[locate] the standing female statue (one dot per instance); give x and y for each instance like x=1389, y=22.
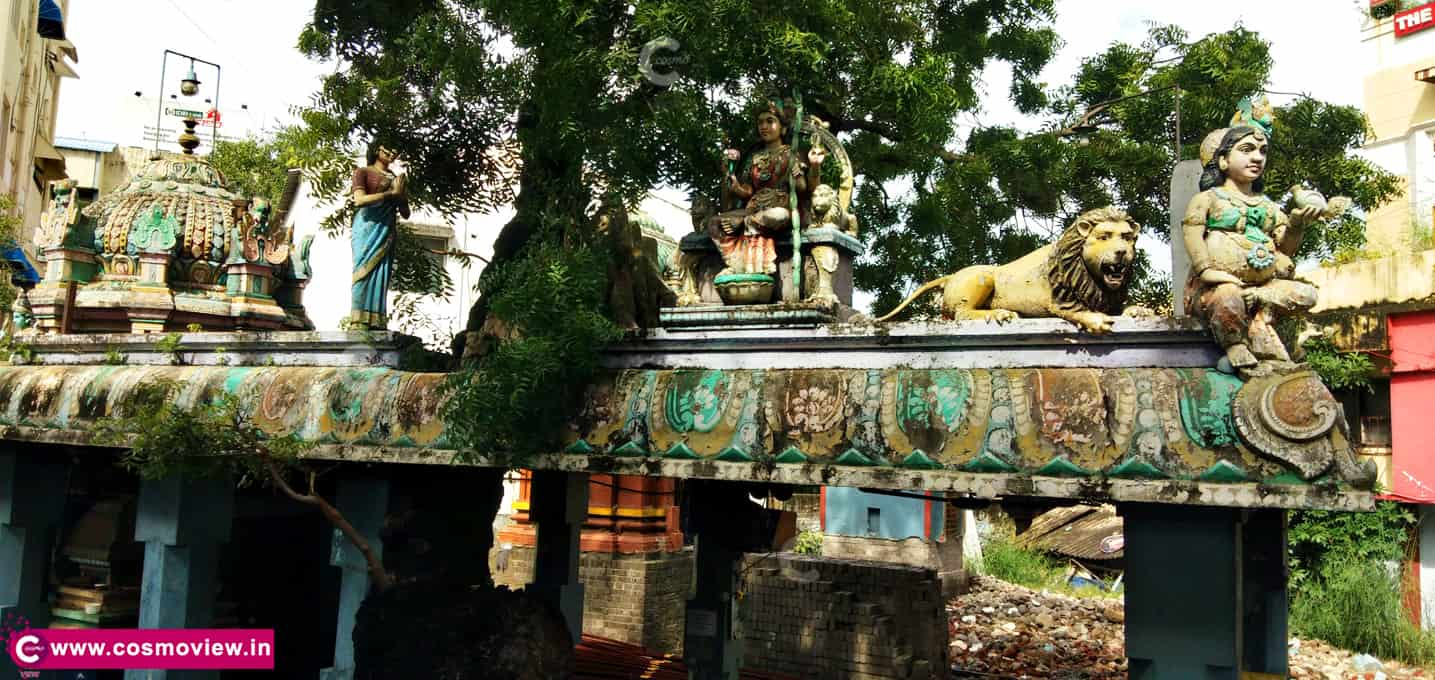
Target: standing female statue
x=1241, y=246
x=746, y=236
x=380, y=198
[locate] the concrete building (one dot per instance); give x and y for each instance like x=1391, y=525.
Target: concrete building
x=1382, y=305
x=1400, y=104
x=33, y=61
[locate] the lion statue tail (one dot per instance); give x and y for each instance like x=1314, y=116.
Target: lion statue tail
x=926, y=288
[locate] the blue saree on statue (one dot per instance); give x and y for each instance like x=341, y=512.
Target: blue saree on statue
x=374, y=229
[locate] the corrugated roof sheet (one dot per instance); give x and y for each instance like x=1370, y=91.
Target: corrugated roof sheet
x=85, y=144
x=1075, y=532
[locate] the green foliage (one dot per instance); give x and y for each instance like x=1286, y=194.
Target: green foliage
x=1321, y=540
x=1002, y=558
x=113, y=357
x=1340, y=370
x=517, y=400
x=1391, y=8
x=256, y=166
x=16, y=352
x=213, y=438
x=169, y=346
x=1343, y=589
x=808, y=543
x=1357, y=606
x=455, y=85
x=1008, y=191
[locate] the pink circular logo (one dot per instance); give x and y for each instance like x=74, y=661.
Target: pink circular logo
x=27, y=648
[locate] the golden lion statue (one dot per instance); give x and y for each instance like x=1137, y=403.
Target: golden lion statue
x=1082, y=278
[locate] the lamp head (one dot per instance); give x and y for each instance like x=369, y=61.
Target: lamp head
x=190, y=85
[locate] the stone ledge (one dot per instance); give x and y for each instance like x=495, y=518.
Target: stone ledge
x=242, y=348
x=1048, y=343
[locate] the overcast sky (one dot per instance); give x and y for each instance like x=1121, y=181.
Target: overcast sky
x=1315, y=43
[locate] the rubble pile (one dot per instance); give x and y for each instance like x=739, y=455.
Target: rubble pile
x=1317, y=660
x=1003, y=630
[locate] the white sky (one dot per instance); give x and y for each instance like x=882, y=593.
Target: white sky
x=1315, y=44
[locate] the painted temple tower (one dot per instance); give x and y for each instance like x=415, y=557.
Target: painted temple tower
x=172, y=249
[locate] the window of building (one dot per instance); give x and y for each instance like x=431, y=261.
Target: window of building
x=1368, y=412
x=433, y=242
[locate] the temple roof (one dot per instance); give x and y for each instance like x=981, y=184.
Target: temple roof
x=970, y=421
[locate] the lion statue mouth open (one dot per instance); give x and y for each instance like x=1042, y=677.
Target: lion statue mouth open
x=1084, y=278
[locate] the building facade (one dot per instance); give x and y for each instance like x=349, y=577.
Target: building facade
x=32, y=67
x=1382, y=304
x=1399, y=100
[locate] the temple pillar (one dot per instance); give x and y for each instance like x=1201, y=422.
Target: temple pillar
x=32, y=502
x=560, y=504
x=634, y=570
x=1205, y=592
x=712, y=638
x=182, y=522
x=363, y=501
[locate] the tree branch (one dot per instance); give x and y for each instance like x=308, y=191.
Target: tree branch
x=850, y=124
x=382, y=579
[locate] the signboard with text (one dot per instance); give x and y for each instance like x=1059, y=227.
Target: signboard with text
x=1414, y=20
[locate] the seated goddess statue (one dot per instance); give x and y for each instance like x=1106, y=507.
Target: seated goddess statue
x=1241, y=246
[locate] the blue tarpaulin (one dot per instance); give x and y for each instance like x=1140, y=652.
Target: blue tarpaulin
x=22, y=272
x=51, y=23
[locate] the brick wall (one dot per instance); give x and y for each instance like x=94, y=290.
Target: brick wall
x=843, y=619
x=634, y=598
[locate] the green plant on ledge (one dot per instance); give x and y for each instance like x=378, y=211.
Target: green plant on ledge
x=169, y=346
x=113, y=357
x=1340, y=370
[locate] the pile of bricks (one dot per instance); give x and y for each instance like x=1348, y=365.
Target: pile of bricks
x=842, y=619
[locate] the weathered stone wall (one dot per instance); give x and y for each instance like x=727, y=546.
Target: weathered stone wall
x=843, y=619
x=638, y=598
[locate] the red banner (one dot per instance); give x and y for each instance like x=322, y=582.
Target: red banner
x=1414, y=20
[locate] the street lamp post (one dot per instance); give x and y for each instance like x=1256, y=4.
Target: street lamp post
x=188, y=87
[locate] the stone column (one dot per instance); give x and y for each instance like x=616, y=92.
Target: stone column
x=363, y=501
x=182, y=523
x=32, y=502
x=560, y=503
x=1205, y=592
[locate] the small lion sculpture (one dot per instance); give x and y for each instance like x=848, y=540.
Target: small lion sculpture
x=1082, y=278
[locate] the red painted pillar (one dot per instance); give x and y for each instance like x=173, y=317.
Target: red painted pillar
x=626, y=514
